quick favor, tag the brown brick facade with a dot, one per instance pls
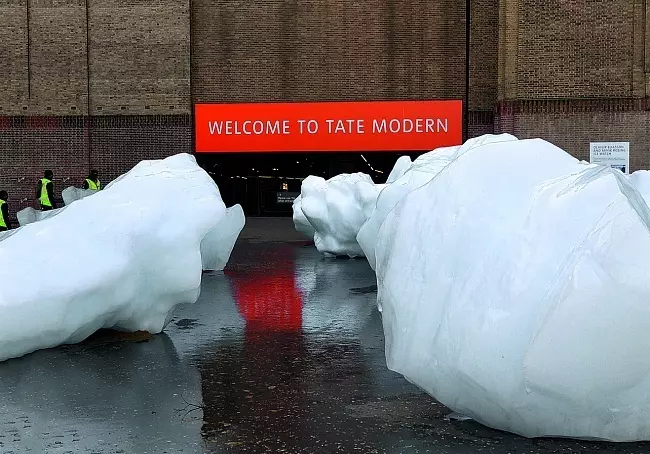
(71, 146)
(569, 49)
(280, 50)
(570, 71)
(573, 124)
(133, 56)
(573, 72)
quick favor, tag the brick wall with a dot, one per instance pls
(70, 148)
(483, 55)
(573, 124)
(45, 74)
(120, 142)
(139, 63)
(573, 72)
(558, 49)
(32, 144)
(139, 57)
(290, 50)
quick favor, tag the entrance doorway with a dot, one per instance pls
(265, 184)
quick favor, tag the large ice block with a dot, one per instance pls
(121, 259)
(402, 181)
(336, 209)
(514, 289)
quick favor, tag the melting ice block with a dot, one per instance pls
(402, 164)
(403, 180)
(121, 259)
(641, 181)
(300, 222)
(336, 209)
(72, 194)
(218, 244)
(514, 288)
(29, 215)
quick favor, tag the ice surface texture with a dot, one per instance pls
(402, 164)
(300, 222)
(29, 215)
(641, 181)
(72, 194)
(336, 209)
(514, 288)
(120, 259)
(406, 177)
(218, 244)
(216, 247)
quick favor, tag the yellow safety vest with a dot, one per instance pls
(45, 198)
(3, 221)
(92, 185)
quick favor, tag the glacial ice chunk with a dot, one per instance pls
(121, 259)
(216, 247)
(300, 222)
(218, 244)
(402, 164)
(514, 288)
(72, 194)
(336, 209)
(641, 181)
(420, 172)
(29, 215)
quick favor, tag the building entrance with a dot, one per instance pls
(266, 184)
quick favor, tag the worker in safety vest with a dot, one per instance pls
(45, 191)
(92, 182)
(4, 211)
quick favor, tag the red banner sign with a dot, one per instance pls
(331, 126)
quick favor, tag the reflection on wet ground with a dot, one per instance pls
(282, 353)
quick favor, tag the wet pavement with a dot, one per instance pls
(282, 353)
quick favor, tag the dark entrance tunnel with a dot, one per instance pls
(265, 184)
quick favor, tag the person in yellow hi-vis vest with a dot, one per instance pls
(4, 211)
(92, 182)
(45, 191)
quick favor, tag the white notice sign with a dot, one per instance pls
(613, 154)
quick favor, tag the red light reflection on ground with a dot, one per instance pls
(268, 300)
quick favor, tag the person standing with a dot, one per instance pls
(92, 182)
(45, 191)
(4, 211)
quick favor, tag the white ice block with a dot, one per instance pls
(514, 289)
(121, 259)
(336, 209)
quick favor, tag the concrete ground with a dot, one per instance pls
(282, 353)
